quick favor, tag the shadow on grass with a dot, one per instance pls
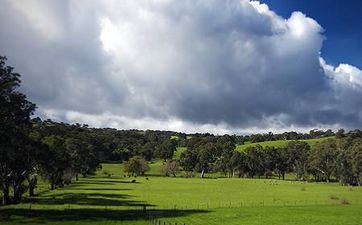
(36, 216)
(101, 189)
(91, 199)
(106, 184)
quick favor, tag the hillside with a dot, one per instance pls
(278, 143)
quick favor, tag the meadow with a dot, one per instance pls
(278, 143)
(110, 197)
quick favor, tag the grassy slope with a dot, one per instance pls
(278, 143)
(115, 200)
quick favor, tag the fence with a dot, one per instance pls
(159, 215)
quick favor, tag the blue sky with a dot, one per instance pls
(235, 66)
(342, 21)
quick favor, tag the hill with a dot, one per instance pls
(277, 143)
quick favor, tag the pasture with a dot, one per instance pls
(111, 198)
(278, 143)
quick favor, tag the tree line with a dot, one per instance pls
(332, 159)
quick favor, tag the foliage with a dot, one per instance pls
(136, 166)
(16, 151)
(170, 167)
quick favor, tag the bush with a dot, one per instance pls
(136, 166)
(333, 197)
(170, 167)
(344, 201)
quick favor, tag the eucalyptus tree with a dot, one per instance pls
(298, 153)
(15, 153)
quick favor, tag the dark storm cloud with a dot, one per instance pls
(183, 65)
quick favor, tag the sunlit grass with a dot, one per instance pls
(111, 198)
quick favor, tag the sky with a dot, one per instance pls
(217, 66)
(341, 21)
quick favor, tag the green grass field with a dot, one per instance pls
(114, 199)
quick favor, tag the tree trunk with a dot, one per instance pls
(18, 191)
(52, 185)
(6, 197)
(202, 173)
(283, 176)
(32, 184)
(76, 177)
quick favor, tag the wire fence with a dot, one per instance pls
(166, 215)
(262, 203)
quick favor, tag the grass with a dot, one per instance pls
(105, 199)
(278, 143)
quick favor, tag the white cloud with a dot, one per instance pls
(206, 65)
(344, 74)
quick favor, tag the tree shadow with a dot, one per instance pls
(90, 199)
(101, 189)
(101, 182)
(38, 216)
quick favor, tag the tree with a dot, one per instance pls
(344, 166)
(55, 161)
(206, 156)
(298, 152)
(281, 162)
(256, 160)
(170, 167)
(323, 160)
(340, 133)
(223, 162)
(148, 150)
(239, 162)
(357, 162)
(136, 166)
(188, 160)
(166, 149)
(15, 112)
(84, 159)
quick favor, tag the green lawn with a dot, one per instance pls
(114, 199)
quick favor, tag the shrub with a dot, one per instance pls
(136, 166)
(344, 201)
(333, 197)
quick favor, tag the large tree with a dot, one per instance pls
(136, 166)
(15, 153)
(323, 160)
(298, 152)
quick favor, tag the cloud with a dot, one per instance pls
(222, 66)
